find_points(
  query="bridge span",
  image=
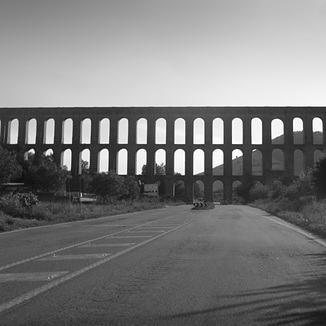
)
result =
(185, 136)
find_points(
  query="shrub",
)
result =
(16, 204)
(258, 191)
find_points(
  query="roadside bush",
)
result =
(258, 191)
(18, 205)
(277, 189)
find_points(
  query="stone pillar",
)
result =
(150, 149)
(22, 132)
(169, 159)
(288, 147)
(247, 155)
(189, 149)
(113, 148)
(75, 157)
(39, 135)
(267, 149)
(228, 158)
(94, 147)
(208, 152)
(308, 142)
(58, 139)
(3, 130)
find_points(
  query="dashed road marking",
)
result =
(65, 248)
(73, 257)
(32, 277)
(99, 245)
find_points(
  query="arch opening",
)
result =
(218, 131)
(104, 131)
(218, 162)
(179, 131)
(237, 131)
(218, 191)
(237, 162)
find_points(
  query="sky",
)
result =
(162, 53)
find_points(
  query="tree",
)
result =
(110, 186)
(318, 176)
(10, 169)
(43, 174)
(159, 169)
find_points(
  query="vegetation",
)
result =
(40, 173)
(301, 202)
(10, 169)
(14, 217)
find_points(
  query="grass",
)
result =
(311, 217)
(53, 213)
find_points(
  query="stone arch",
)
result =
(122, 161)
(13, 131)
(31, 129)
(123, 128)
(277, 131)
(298, 132)
(218, 131)
(299, 162)
(179, 189)
(198, 162)
(66, 159)
(85, 131)
(218, 162)
(104, 131)
(277, 160)
(199, 131)
(29, 153)
(103, 161)
(256, 131)
(179, 161)
(141, 131)
(317, 155)
(235, 197)
(237, 162)
(160, 131)
(318, 131)
(179, 131)
(257, 162)
(67, 131)
(198, 190)
(218, 191)
(237, 131)
(48, 152)
(84, 158)
(141, 160)
(49, 130)
(160, 160)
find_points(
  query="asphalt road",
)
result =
(233, 265)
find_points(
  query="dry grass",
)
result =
(311, 217)
(52, 213)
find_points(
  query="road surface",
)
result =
(233, 265)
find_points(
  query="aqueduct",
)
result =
(242, 141)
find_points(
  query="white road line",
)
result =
(73, 257)
(32, 277)
(99, 245)
(146, 231)
(132, 236)
(29, 295)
